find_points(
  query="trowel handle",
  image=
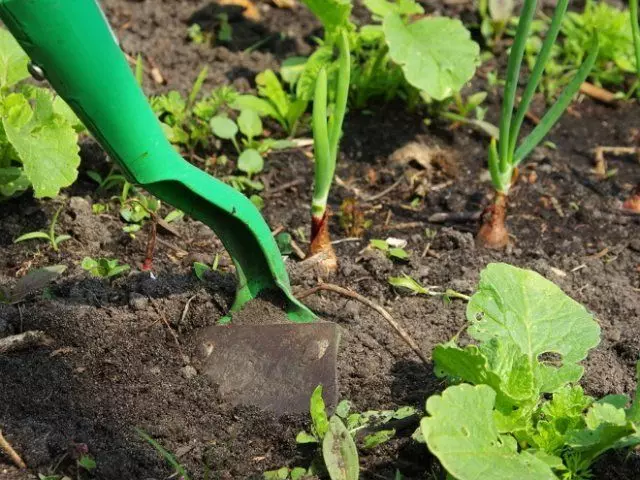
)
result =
(71, 43)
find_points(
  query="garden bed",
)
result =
(121, 347)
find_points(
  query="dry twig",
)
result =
(364, 300)
(13, 455)
(29, 339)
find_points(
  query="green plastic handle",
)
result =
(73, 45)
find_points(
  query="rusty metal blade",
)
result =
(272, 366)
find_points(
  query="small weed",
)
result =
(393, 247)
(201, 269)
(50, 236)
(169, 458)
(103, 267)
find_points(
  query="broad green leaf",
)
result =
(280, 474)
(318, 413)
(461, 432)
(298, 473)
(47, 147)
(343, 408)
(339, 452)
(260, 105)
(521, 307)
(9, 174)
(200, 269)
(333, 14)
(223, 127)
(250, 123)
(437, 55)
(382, 8)
(379, 244)
(13, 60)
(250, 161)
(321, 58)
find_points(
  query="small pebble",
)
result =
(138, 302)
(189, 372)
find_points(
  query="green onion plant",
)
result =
(633, 202)
(326, 140)
(507, 153)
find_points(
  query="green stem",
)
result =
(556, 111)
(324, 166)
(511, 84)
(342, 95)
(536, 73)
(635, 28)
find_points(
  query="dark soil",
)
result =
(122, 358)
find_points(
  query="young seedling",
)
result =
(505, 155)
(50, 236)
(326, 139)
(515, 397)
(201, 269)
(103, 267)
(407, 282)
(180, 471)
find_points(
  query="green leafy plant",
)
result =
(392, 247)
(50, 235)
(274, 101)
(112, 179)
(394, 56)
(103, 267)
(514, 407)
(38, 137)
(506, 154)
(408, 283)
(33, 281)
(336, 438)
(186, 120)
(221, 31)
(326, 141)
(495, 15)
(615, 58)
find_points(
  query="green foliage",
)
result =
(506, 154)
(335, 436)
(390, 247)
(201, 269)
(38, 138)
(437, 55)
(33, 281)
(384, 59)
(50, 235)
(326, 134)
(274, 101)
(186, 121)
(103, 267)
(515, 409)
(615, 57)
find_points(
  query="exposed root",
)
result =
(632, 203)
(11, 453)
(321, 244)
(493, 232)
(600, 167)
(386, 315)
(24, 340)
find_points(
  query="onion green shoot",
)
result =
(507, 153)
(326, 139)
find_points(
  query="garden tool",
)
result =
(275, 366)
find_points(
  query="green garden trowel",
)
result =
(274, 366)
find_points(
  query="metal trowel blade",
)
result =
(272, 366)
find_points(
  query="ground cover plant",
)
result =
(100, 376)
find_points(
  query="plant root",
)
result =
(24, 340)
(600, 167)
(597, 93)
(321, 244)
(6, 447)
(632, 203)
(493, 232)
(364, 300)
